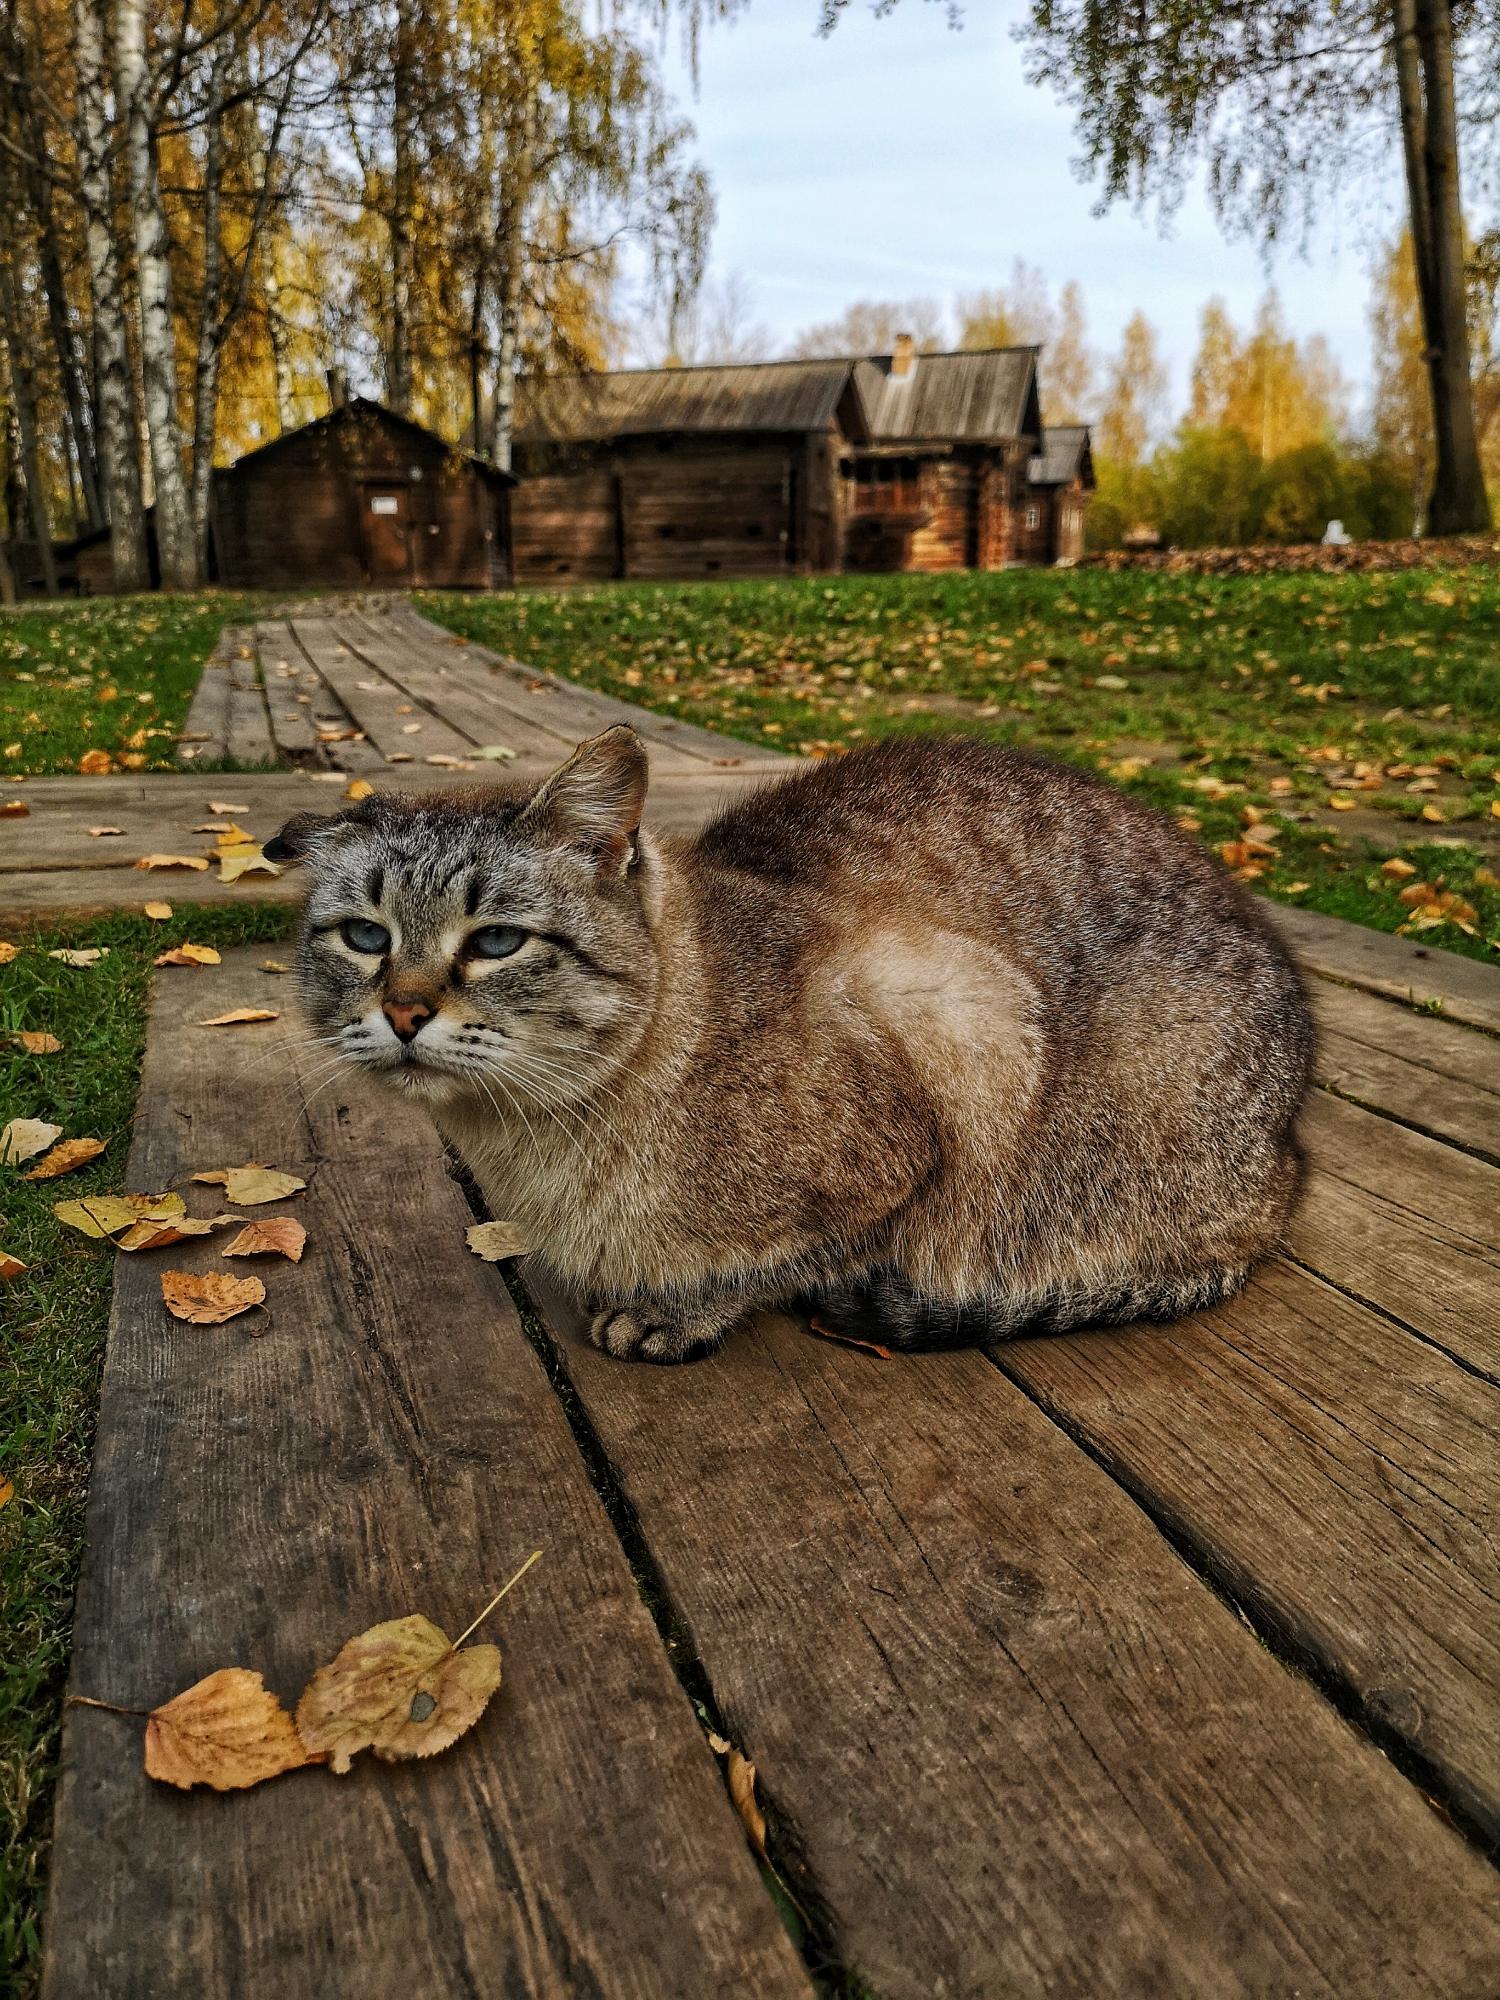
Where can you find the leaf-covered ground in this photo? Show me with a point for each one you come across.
(1358, 716)
(52, 1322)
(110, 673)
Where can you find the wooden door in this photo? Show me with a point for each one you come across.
(386, 513)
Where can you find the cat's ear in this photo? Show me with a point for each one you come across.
(291, 843)
(593, 803)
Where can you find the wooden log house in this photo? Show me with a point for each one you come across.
(891, 462)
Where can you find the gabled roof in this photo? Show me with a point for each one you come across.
(365, 408)
(1066, 454)
(962, 397)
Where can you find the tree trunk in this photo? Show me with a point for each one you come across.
(175, 544)
(119, 419)
(1423, 43)
(398, 372)
(23, 407)
(510, 250)
(210, 332)
(281, 372)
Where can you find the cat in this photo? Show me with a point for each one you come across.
(938, 1041)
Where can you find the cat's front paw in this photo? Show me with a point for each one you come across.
(636, 1333)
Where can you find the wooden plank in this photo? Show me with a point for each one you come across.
(291, 686)
(248, 738)
(314, 642)
(1449, 1108)
(1407, 1225)
(1462, 1054)
(206, 727)
(390, 721)
(594, 711)
(1015, 1745)
(1400, 968)
(1339, 1477)
(383, 1441)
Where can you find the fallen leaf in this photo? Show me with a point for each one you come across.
(189, 954)
(245, 858)
(37, 1042)
(250, 1185)
(8, 952)
(1339, 803)
(226, 806)
(358, 788)
(402, 1689)
(238, 1016)
(65, 1157)
(210, 1297)
(232, 834)
(176, 1229)
(24, 1138)
(496, 1240)
(1434, 814)
(104, 1215)
(501, 753)
(1396, 868)
(90, 955)
(848, 1339)
(10, 1267)
(15, 809)
(193, 861)
(227, 1731)
(741, 1775)
(7, 1491)
(273, 965)
(276, 1236)
(446, 763)
(1109, 681)
(94, 763)
(157, 912)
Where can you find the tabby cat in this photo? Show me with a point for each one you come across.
(940, 1041)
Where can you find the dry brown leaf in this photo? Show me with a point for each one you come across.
(8, 952)
(1339, 803)
(273, 965)
(244, 858)
(250, 1185)
(193, 861)
(277, 1235)
(63, 1158)
(1434, 814)
(219, 826)
(102, 1215)
(210, 1297)
(226, 806)
(157, 912)
(189, 954)
(94, 763)
(15, 809)
(161, 1235)
(238, 1017)
(358, 788)
(36, 1042)
(10, 1267)
(494, 1241)
(1397, 869)
(848, 1339)
(227, 1731)
(741, 1775)
(90, 955)
(104, 832)
(7, 1491)
(23, 1138)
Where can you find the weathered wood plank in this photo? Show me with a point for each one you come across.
(315, 641)
(597, 711)
(374, 702)
(1339, 1477)
(1016, 1745)
(205, 729)
(1406, 1088)
(287, 676)
(248, 738)
(1465, 1055)
(383, 1441)
(1398, 967)
(1406, 1224)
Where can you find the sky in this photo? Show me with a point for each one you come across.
(898, 156)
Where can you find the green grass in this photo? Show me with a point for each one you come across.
(1290, 690)
(52, 1324)
(111, 673)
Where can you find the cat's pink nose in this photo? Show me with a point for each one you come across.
(407, 1017)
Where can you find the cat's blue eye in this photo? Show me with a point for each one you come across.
(496, 941)
(361, 934)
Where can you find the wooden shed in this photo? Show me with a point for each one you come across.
(888, 462)
(1059, 483)
(361, 496)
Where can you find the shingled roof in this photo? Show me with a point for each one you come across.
(965, 397)
(1065, 453)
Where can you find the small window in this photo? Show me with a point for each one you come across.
(384, 503)
(1033, 517)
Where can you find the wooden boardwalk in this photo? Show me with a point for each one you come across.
(1145, 1663)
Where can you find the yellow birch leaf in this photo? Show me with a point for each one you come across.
(227, 1731)
(239, 1017)
(250, 1185)
(209, 1298)
(23, 1138)
(64, 1157)
(276, 1235)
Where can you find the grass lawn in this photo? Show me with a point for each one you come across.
(110, 673)
(52, 1323)
(1356, 716)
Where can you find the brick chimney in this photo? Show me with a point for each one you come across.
(338, 388)
(904, 355)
